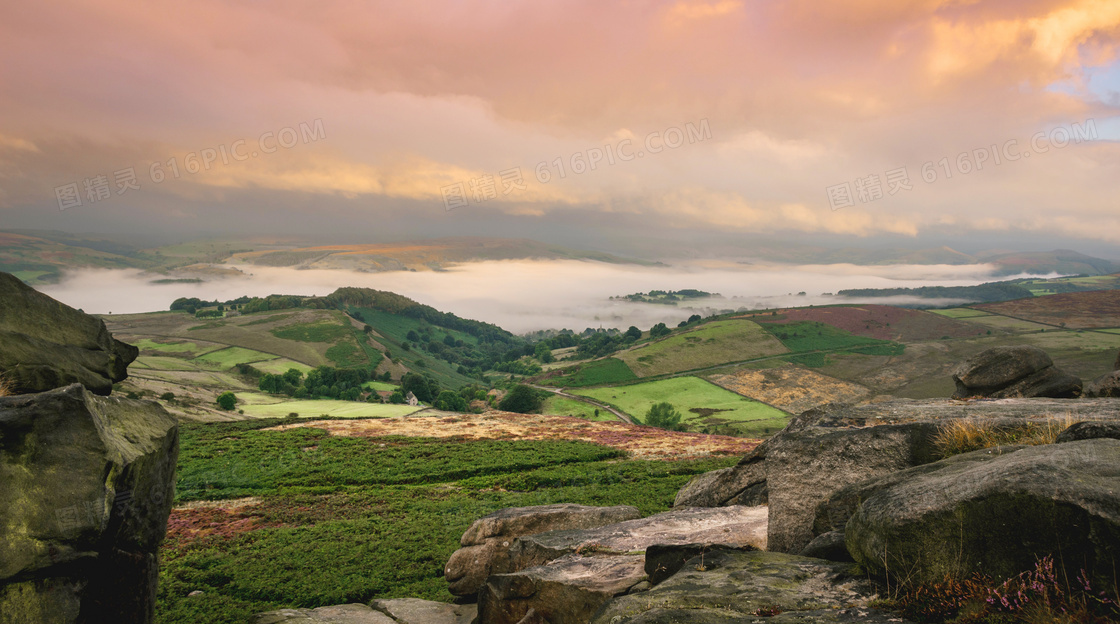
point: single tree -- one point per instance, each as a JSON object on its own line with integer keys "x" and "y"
{"x": 664, "y": 416}
{"x": 227, "y": 401}
{"x": 522, "y": 399}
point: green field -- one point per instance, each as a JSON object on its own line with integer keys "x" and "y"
{"x": 327, "y": 408}
{"x": 960, "y": 313}
{"x": 563, "y": 406}
{"x": 711, "y": 344}
{"x": 168, "y": 363}
{"x": 225, "y": 359}
{"x": 1003, "y": 322}
{"x": 595, "y": 373}
{"x": 801, "y": 336}
{"x": 380, "y": 385}
{"x": 280, "y": 366}
{"x": 323, "y": 331}
{"x": 703, "y": 405}
{"x": 145, "y": 344}
{"x": 346, "y": 520}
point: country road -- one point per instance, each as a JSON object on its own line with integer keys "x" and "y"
{"x": 623, "y": 416}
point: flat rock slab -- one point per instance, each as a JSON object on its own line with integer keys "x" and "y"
{"x": 339, "y": 614}
{"x": 416, "y": 611}
{"x": 731, "y": 526}
{"x": 734, "y": 586}
{"x": 515, "y": 521}
{"x": 566, "y": 591}
{"x": 486, "y": 544}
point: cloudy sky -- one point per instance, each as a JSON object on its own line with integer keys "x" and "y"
{"x": 858, "y": 119}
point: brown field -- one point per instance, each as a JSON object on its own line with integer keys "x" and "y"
{"x": 879, "y": 321}
{"x": 791, "y": 388}
{"x": 640, "y": 442}
{"x": 1083, "y": 310}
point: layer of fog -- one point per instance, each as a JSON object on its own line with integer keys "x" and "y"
{"x": 527, "y": 295}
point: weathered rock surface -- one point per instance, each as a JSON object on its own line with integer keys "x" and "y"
{"x": 824, "y": 450}
{"x": 1107, "y": 385}
{"x": 1013, "y": 372}
{"x": 86, "y": 485}
{"x": 394, "y": 611}
{"x": 1090, "y": 431}
{"x": 992, "y": 512}
{"x": 337, "y": 614}
{"x": 487, "y": 542}
{"x": 665, "y": 560}
{"x": 829, "y": 545}
{"x": 416, "y": 611}
{"x": 747, "y": 586}
{"x": 567, "y": 591}
{"x": 735, "y": 526}
{"x": 45, "y": 344}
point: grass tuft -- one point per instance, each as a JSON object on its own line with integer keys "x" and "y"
{"x": 5, "y": 385}
{"x": 967, "y": 435}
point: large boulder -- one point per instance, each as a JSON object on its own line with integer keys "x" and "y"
{"x": 486, "y": 544}
{"x": 826, "y": 449}
{"x": 86, "y": 485}
{"x": 725, "y": 586}
{"x": 1090, "y": 430}
{"x": 1013, "y": 372}
{"x": 1107, "y": 385}
{"x": 416, "y": 611}
{"x": 45, "y": 344}
{"x": 995, "y": 512}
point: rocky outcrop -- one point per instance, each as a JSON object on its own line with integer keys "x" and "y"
{"x": 486, "y": 544}
{"x": 991, "y": 511}
{"x": 724, "y": 586}
{"x": 1107, "y": 385}
{"x": 45, "y": 344}
{"x": 1013, "y": 372}
{"x": 86, "y": 485}
{"x": 824, "y": 450}
{"x": 415, "y": 611}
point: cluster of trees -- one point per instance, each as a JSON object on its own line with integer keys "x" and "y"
{"x": 523, "y": 400}
{"x": 196, "y": 306}
{"x": 983, "y": 293}
{"x": 427, "y": 390}
{"x": 324, "y": 382}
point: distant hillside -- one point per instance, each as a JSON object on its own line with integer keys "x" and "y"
{"x": 1062, "y": 261}
{"x": 420, "y": 255}
{"x": 992, "y": 292}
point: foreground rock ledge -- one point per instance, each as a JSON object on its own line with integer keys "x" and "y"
{"x": 86, "y": 485}
{"x": 730, "y": 586}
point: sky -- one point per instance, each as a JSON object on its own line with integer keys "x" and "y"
{"x": 848, "y": 120}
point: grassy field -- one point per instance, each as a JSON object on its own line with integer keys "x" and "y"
{"x": 960, "y": 313}
{"x": 225, "y": 359}
{"x": 803, "y": 336}
{"x": 344, "y": 520}
{"x": 595, "y": 373}
{"x": 563, "y": 406}
{"x": 703, "y": 405}
{"x": 380, "y": 385}
{"x": 333, "y": 409}
{"x": 709, "y": 345}
{"x": 280, "y": 366}
{"x": 145, "y": 344}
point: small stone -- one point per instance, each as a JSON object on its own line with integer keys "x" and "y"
{"x": 197, "y": 592}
